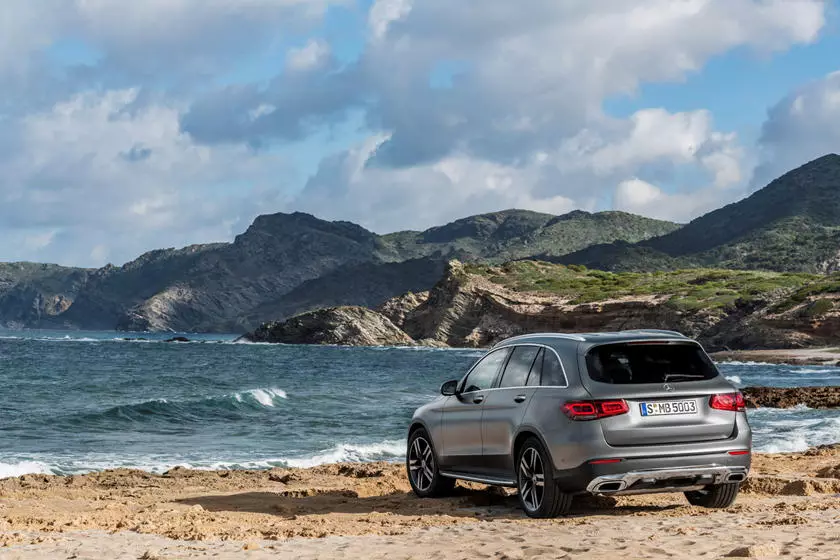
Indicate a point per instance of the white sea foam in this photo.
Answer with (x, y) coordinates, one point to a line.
(355, 453)
(818, 370)
(387, 450)
(8, 470)
(263, 396)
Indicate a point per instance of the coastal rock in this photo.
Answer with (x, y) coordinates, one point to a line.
(355, 326)
(398, 308)
(778, 397)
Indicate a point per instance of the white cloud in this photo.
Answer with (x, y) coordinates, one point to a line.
(312, 55)
(123, 167)
(77, 197)
(584, 169)
(387, 200)
(800, 128)
(640, 197)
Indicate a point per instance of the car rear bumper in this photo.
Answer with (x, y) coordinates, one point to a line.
(642, 475)
(665, 480)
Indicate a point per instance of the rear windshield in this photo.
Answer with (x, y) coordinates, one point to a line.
(632, 363)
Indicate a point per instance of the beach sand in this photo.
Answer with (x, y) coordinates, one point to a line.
(790, 506)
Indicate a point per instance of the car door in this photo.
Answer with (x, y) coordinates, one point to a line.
(462, 446)
(504, 408)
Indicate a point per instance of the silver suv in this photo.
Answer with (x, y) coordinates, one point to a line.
(557, 415)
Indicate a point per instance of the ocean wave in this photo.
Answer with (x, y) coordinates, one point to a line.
(387, 450)
(353, 453)
(177, 411)
(795, 429)
(8, 470)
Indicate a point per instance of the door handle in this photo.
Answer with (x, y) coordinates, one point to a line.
(519, 398)
(478, 399)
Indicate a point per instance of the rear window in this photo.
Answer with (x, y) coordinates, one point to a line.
(632, 363)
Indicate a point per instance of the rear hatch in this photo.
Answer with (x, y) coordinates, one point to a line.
(667, 386)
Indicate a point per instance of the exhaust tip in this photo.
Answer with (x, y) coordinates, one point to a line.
(608, 487)
(736, 477)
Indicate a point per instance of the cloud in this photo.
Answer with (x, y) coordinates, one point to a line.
(578, 174)
(386, 200)
(525, 99)
(92, 179)
(312, 55)
(148, 141)
(800, 128)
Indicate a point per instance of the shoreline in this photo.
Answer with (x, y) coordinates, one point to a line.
(823, 356)
(366, 510)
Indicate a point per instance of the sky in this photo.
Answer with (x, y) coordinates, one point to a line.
(127, 126)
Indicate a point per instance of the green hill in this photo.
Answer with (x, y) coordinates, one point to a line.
(792, 224)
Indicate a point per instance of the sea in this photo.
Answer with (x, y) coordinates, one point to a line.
(75, 402)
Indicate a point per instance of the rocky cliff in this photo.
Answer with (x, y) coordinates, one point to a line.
(354, 326)
(475, 306)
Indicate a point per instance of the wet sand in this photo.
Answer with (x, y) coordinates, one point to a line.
(791, 506)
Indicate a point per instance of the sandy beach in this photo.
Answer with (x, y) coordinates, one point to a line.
(790, 506)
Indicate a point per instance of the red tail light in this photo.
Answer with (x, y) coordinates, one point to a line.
(592, 410)
(740, 452)
(728, 401)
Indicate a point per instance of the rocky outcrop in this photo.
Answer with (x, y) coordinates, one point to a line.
(467, 309)
(354, 326)
(397, 309)
(778, 397)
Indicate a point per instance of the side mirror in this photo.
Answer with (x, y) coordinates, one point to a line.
(449, 388)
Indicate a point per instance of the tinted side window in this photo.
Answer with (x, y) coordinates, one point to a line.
(519, 365)
(552, 370)
(483, 375)
(536, 370)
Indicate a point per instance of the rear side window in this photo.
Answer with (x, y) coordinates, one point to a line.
(519, 365)
(484, 373)
(629, 363)
(536, 370)
(552, 371)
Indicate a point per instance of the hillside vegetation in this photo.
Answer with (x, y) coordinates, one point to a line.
(689, 289)
(792, 224)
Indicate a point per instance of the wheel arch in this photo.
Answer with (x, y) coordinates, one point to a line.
(522, 435)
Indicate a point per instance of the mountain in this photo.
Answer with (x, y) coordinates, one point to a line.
(792, 224)
(516, 234)
(288, 263)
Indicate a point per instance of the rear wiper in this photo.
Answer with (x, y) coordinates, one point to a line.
(670, 376)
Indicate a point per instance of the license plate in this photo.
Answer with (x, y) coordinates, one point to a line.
(664, 408)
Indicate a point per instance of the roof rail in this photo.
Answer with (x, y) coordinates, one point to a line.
(567, 336)
(656, 331)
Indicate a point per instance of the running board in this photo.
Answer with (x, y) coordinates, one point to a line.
(482, 479)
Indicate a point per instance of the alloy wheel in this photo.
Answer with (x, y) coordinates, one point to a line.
(531, 479)
(421, 463)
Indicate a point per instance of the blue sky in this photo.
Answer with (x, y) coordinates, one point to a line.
(132, 126)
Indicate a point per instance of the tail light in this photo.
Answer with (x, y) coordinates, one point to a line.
(592, 410)
(728, 401)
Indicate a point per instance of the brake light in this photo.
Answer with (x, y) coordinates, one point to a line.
(592, 410)
(728, 401)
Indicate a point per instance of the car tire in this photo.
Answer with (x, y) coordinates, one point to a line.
(714, 496)
(421, 465)
(539, 495)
